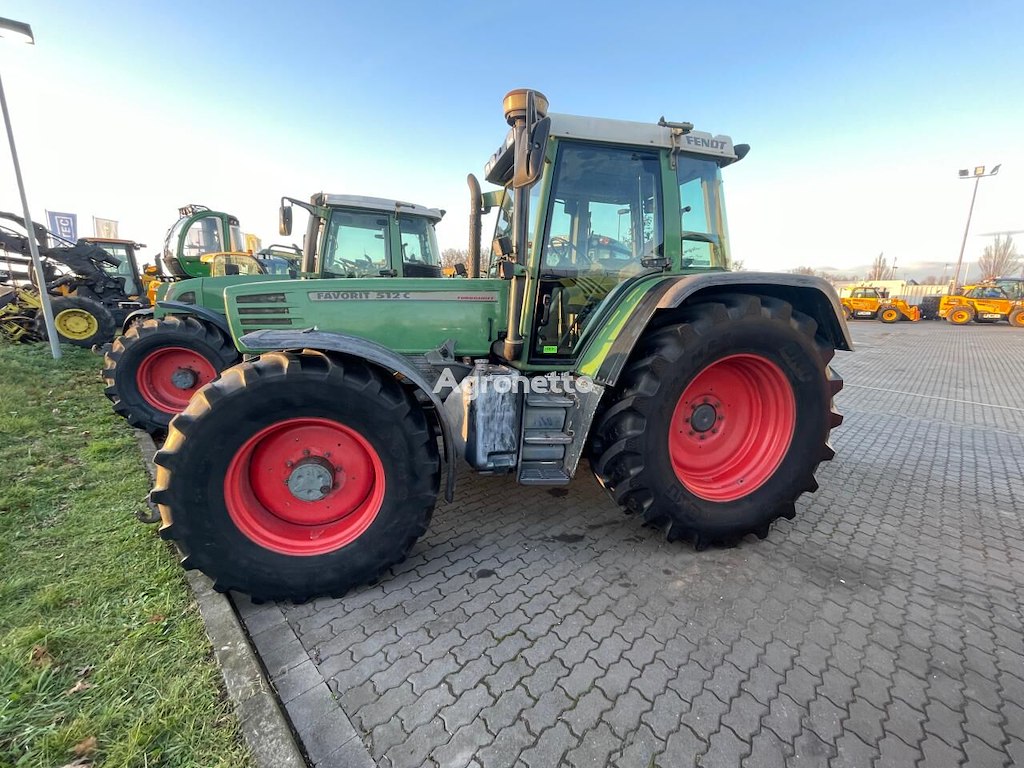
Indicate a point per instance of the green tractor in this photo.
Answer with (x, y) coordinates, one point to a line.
(168, 352)
(605, 327)
(198, 232)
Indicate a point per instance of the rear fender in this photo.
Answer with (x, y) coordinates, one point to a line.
(812, 296)
(373, 353)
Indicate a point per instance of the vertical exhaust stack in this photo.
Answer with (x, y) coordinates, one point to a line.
(523, 108)
(475, 212)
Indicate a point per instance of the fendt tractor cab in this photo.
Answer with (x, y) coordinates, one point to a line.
(867, 302)
(170, 351)
(606, 326)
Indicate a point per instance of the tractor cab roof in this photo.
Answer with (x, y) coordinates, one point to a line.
(661, 135)
(376, 204)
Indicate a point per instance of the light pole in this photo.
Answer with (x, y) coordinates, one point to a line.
(21, 32)
(978, 175)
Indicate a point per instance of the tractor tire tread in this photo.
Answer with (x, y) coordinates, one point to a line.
(619, 463)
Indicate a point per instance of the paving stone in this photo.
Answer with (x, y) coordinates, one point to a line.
(506, 709)
(550, 747)
(547, 711)
(681, 749)
(504, 749)
(587, 711)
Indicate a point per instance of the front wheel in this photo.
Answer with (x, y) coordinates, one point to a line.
(961, 315)
(721, 419)
(152, 371)
(295, 475)
(889, 314)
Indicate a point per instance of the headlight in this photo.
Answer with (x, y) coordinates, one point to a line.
(188, 297)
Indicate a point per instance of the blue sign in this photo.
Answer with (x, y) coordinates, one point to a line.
(64, 224)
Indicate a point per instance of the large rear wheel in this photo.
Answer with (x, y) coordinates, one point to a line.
(1016, 317)
(721, 419)
(152, 371)
(296, 475)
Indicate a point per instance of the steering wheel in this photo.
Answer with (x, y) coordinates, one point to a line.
(560, 251)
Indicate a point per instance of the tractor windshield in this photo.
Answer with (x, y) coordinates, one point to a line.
(171, 246)
(702, 206)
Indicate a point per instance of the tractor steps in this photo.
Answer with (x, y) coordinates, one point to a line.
(543, 473)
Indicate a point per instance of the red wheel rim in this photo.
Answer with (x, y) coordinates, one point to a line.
(732, 427)
(304, 486)
(168, 377)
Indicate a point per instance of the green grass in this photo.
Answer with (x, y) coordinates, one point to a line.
(89, 594)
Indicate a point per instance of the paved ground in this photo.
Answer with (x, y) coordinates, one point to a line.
(882, 626)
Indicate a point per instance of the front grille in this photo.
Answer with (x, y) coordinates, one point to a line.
(261, 298)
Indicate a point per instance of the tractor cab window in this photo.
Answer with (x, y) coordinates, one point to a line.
(203, 236)
(702, 212)
(864, 293)
(123, 270)
(502, 228)
(237, 238)
(503, 224)
(419, 247)
(603, 223)
(987, 292)
(357, 244)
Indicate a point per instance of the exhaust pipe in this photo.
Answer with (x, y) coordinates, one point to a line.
(475, 208)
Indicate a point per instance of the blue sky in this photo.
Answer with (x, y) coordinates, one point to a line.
(859, 115)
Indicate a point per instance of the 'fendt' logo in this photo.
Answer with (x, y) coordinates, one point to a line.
(700, 141)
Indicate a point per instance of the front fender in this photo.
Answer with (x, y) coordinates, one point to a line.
(811, 295)
(137, 315)
(180, 308)
(382, 357)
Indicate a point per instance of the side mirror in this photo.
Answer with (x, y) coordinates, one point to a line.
(284, 220)
(534, 164)
(460, 270)
(502, 246)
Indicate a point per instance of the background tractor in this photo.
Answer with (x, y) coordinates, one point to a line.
(94, 283)
(702, 398)
(870, 303)
(983, 303)
(168, 352)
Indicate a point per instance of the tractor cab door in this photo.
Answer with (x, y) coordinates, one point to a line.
(200, 234)
(356, 243)
(603, 220)
(418, 246)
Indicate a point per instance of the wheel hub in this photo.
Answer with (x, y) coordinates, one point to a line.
(703, 417)
(184, 378)
(311, 479)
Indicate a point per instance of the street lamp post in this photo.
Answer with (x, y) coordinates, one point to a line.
(978, 175)
(21, 32)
